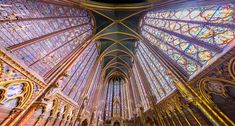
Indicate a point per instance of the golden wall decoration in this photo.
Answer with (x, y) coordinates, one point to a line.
(23, 95)
(54, 107)
(17, 66)
(217, 86)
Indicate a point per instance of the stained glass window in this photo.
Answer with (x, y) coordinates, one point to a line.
(14, 85)
(14, 90)
(12, 103)
(157, 75)
(116, 104)
(190, 36)
(79, 73)
(93, 88)
(109, 100)
(123, 98)
(13, 94)
(42, 34)
(141, 89)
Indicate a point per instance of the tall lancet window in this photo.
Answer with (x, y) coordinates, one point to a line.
(123, 98)
(93, 87)
(116, 99)
(190, 36)
(75, 83)
(157, 75)
(109, 96)
(141, 89)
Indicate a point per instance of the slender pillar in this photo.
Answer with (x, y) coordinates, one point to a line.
(49, 121)
(184, 116)
(40, 118)
(56, 119)
(131, 98)
(63, 120)
(67, 121)
(168, 114)
(11, 116)
(176, 116)
(72, 122)
(207, 110)
(142, 118)
(165, 119)
(162, 122)
(30, 113)
(193, 115)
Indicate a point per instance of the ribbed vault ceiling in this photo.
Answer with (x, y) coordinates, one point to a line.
(116, 30)
(117, 33)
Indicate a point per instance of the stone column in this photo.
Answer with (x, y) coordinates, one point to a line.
(39, 119)
(191, 96)
(14, 112)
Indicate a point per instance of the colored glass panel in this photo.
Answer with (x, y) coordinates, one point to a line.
(157, 75)
(189, 35)
(46, 33)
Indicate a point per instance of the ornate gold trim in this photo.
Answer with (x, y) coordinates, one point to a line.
(108, 33)
(205, 92)
(55, 107)
(117, 42)
(115, 63)
(116, 50)
(7, 59)
(26, 94)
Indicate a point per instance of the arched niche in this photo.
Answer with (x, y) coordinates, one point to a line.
(117, 122)
(84, 123)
